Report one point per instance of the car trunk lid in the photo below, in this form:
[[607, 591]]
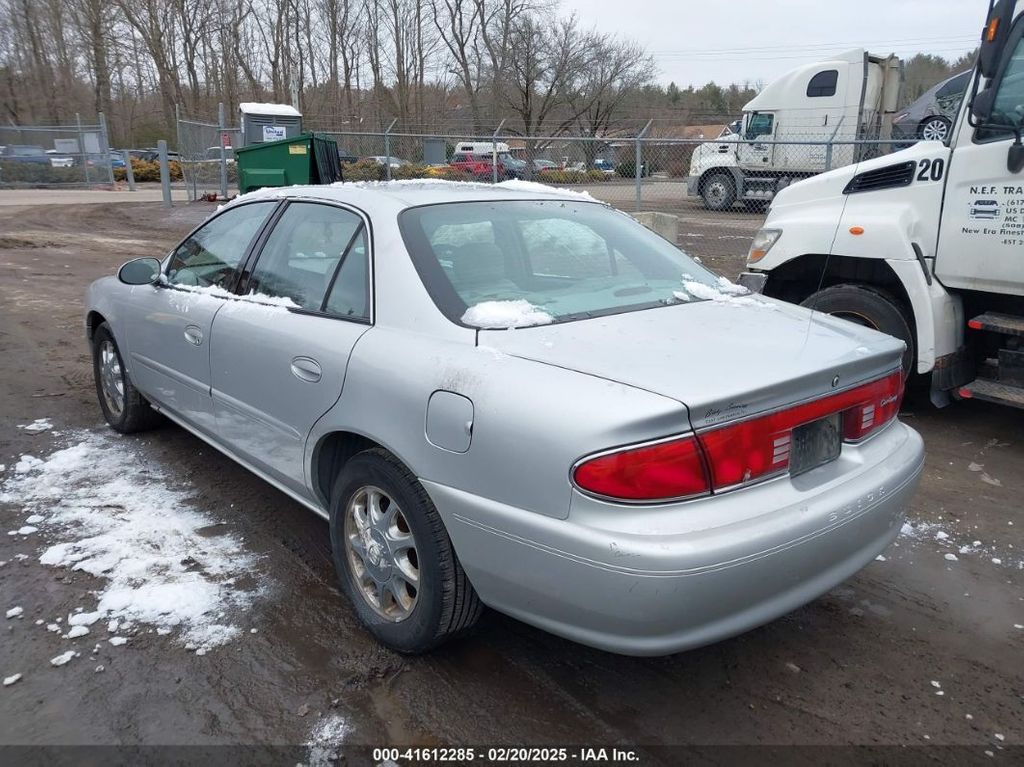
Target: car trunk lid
[[723, 360]]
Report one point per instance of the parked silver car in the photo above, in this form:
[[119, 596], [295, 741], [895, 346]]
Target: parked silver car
[[518, 397], [930, 118]]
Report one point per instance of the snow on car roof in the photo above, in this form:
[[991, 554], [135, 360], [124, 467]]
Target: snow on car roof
[[412, 192]]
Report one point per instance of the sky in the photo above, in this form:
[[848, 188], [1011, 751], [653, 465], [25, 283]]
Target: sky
[[757, 40]]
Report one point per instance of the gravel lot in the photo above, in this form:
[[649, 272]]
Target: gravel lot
[[921, 648]]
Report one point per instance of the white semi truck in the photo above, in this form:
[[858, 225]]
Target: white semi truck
[[832, 103], [926, 244]]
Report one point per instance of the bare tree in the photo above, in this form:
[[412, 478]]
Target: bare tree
[[617, 70], [546, 74]]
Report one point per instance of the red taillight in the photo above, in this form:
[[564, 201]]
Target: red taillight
[[666, 470], [749, 450], [737, 453], [877, 403]]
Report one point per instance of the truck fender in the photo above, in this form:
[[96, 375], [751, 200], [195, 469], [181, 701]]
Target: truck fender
[[938, 315]]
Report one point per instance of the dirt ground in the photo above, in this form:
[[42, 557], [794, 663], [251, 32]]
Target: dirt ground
[[865, 664]]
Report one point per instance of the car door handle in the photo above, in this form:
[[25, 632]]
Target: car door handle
[[306, 369], [193, 334]]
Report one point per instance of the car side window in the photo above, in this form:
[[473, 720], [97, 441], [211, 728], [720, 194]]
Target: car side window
[[302, 254], [954, 87], [210, 255]]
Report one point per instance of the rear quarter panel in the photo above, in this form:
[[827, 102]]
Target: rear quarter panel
[[531, 423]]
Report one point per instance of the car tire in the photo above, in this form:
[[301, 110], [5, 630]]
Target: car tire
[[123, 406], [934, 129], [869, 307], [718, 191], [411, 538]]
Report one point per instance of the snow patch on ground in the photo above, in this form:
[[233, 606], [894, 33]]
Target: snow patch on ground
[[108, 512], [38, 425], [932, 532], [63, 658], [328, 735], [502, 315]]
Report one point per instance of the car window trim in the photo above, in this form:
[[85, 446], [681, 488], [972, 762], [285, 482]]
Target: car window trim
[[245, 273], [366, 226], [337, 270], [245, 255]]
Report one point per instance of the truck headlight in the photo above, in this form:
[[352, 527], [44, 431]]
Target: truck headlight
[[763, 241]]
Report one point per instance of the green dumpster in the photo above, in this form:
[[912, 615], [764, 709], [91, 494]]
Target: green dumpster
[[309, 158]]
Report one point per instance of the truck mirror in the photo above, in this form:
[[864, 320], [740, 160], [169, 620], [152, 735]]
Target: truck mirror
[[1015, 157], [982, 105], [994, 36]]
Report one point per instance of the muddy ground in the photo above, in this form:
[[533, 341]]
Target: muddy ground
[[858, 666]]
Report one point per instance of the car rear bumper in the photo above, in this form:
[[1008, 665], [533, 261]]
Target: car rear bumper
[[659, 580]]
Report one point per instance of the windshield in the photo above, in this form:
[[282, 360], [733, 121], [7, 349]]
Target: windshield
[[545, 261]]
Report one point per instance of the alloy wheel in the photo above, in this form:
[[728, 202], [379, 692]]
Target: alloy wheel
[[111, 377], [382, 555], [935, 130]]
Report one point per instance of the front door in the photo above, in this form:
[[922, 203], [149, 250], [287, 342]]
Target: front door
[[753, 153], [279, 354], [169, 323], [981, 241]]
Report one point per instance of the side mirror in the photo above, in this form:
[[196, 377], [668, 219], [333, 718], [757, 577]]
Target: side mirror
[[139, 271], [982, 105], [1015, 157]]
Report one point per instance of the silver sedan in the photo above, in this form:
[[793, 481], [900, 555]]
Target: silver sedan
[[518, 397]]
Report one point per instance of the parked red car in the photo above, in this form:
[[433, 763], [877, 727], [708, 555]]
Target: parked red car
[[480, 165]]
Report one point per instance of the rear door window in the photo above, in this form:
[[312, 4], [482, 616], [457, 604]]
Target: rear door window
[[302, 255]]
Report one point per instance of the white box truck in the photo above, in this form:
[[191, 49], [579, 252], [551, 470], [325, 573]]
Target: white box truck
[[926, 244], [831, 103]]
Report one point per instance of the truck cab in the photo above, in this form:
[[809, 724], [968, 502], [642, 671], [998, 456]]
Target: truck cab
[[926, 244], [803, 123]]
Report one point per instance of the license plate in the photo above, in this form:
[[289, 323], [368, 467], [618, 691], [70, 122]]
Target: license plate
[[814, 444]]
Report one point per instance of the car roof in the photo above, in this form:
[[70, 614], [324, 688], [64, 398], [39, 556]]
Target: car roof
[[372, 196]]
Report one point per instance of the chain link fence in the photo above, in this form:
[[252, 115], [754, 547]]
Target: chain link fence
[[205, 151], [647, 169], [57, 155], [641, 172]]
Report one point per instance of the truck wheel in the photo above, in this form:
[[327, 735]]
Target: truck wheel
[[871, 308], [394, 557], [718, 191]]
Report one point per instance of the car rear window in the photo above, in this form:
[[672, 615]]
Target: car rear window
[[567, 260]]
